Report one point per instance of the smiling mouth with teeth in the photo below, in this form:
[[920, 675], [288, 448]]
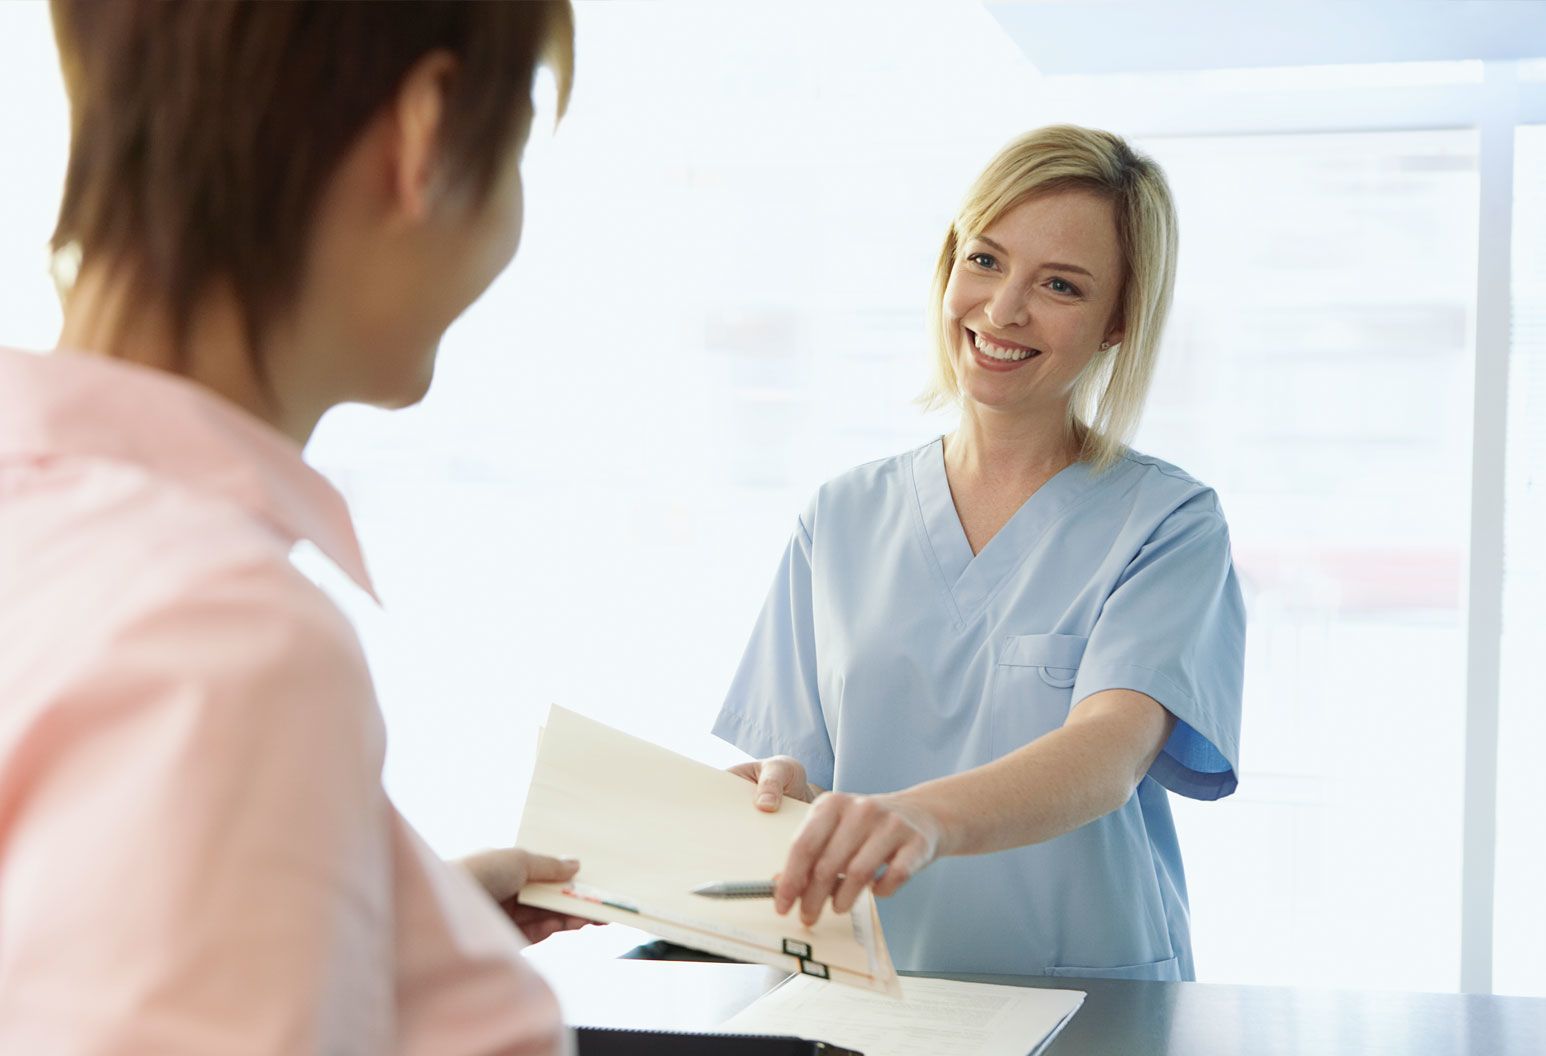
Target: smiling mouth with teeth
[[1003, 353]]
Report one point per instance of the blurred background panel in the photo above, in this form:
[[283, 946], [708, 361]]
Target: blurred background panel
[[1521, 908], [719, 303], [1315, 374]]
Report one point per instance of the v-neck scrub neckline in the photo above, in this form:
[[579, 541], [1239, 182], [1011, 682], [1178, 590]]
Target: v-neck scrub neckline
[[970, 579]]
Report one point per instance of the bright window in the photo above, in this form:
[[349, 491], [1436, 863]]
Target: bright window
[[1316, 372]]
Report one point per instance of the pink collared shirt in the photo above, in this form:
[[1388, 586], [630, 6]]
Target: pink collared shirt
[[196, 852]]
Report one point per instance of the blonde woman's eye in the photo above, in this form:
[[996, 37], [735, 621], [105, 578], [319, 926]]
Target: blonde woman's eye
[[1063, 286], [982, 260]]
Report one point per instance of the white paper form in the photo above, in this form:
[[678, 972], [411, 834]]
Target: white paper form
[[649, 825], [934, 1016]]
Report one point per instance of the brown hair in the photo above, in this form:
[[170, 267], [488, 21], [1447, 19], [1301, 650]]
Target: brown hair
[[202, 134]]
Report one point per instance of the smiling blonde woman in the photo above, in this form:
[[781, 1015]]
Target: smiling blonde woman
[[1000, 650]]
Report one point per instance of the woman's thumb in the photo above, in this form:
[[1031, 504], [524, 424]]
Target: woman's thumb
[[770, 787], [541, 868]]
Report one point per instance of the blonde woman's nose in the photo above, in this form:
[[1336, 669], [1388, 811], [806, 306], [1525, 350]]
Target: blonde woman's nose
[[1007, 309]]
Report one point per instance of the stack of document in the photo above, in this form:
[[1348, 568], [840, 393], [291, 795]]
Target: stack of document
[[649, 826], [933, 1016]]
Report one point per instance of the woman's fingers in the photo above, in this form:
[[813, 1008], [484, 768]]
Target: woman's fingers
[[542, 929], [806, 849], [541, 868], [537, 924], [921, 847], [844, 842], [857, 823], [885, 844], [776, 778], [504, 871], [770, 789], [910, 857]]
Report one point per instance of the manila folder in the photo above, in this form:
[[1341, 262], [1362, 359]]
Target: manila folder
[[649, 825]]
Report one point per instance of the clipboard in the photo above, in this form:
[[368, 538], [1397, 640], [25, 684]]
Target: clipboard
[[605, 1041]]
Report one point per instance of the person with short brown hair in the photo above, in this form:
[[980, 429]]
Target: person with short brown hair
[[269, 209]]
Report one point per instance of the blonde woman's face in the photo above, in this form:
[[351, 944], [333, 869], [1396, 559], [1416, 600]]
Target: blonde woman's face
[[1031, 298]]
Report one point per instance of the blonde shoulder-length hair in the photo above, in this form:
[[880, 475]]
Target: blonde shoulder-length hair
[[1108, 396]]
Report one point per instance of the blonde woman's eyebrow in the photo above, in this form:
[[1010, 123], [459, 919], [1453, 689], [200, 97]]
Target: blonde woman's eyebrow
[[1049, 266]]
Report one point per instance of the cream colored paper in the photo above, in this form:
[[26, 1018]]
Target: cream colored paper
[[649, 825], [934, 1016]]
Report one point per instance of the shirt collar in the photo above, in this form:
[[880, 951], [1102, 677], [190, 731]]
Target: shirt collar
[[67, 403]]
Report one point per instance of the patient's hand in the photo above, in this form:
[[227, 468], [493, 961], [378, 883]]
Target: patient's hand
[[502, 873], [775, 778]]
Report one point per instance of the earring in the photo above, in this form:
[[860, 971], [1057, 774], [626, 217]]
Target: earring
[[1105, 345]]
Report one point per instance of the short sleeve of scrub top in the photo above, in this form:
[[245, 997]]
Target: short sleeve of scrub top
[[779, 704], [1174, 629]]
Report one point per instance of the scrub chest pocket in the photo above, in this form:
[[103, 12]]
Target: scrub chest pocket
[[1032, 686]]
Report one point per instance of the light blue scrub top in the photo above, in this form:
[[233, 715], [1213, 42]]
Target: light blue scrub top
[[887, 654]]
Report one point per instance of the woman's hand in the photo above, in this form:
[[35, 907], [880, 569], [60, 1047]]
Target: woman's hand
[[842, 843], [775, 778], [502, 873]]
